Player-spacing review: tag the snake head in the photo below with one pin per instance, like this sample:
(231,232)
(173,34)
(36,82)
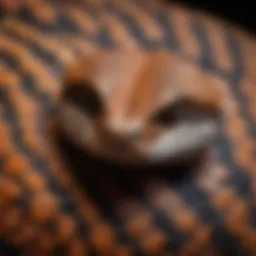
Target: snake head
(140,108)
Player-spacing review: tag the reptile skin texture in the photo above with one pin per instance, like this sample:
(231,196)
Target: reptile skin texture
(55,201)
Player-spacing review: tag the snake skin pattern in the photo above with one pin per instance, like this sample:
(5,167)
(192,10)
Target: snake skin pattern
(57,202)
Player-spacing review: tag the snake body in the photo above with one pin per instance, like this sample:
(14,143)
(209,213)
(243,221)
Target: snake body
(46,209)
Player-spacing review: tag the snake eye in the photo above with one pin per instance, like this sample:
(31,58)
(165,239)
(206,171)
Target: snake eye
(84,96)
(165,116)
(184,110)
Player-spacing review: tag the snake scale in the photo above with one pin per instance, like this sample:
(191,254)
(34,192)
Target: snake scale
(46,208)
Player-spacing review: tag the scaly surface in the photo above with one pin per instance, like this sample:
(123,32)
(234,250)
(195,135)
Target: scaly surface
(45,210)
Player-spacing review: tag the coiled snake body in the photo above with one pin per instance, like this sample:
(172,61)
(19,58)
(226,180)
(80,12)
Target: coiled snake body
(44,208)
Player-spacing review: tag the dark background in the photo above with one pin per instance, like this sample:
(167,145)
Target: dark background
(240,12)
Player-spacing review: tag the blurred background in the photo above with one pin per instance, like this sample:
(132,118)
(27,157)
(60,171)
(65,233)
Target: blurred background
(240,12)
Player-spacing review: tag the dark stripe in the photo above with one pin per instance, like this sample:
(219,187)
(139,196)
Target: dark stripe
(37,162)
(27,80)
(240,181)
(237,176)
(199,202)
(21,200)
(104,39)
(128,182)
(94,176)
(98,193)
(206,60)
(61,24)
(170,40)
(133,28)
(48,58)
(90,173)
(234,78)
